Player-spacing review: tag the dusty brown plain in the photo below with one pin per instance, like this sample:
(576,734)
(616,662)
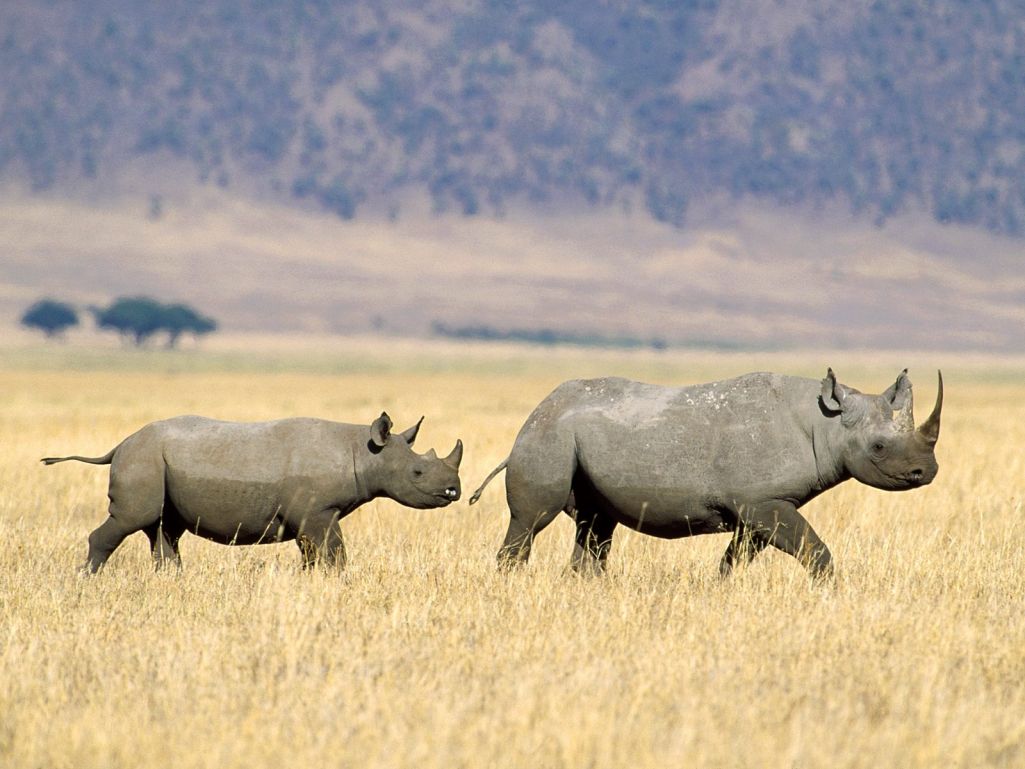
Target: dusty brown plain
(738,274)
(421,654)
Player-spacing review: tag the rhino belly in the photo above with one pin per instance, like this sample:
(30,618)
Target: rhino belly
(243,513)
(660,511)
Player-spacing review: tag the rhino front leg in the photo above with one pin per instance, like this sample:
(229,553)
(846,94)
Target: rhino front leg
(320,540)
(781,526)
(593,542)
(742,549)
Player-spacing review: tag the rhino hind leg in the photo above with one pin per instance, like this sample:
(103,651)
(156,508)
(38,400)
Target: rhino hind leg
(782,526)
(519,539)
(531,509)
(164,537)
(136,502)
(103,541)
(593,542)
(538,488)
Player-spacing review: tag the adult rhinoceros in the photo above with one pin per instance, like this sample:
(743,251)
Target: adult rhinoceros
(250,483)
(740,455)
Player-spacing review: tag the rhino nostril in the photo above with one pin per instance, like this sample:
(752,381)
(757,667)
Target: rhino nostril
(916,475)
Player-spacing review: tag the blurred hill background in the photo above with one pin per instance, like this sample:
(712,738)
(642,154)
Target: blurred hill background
(765,173)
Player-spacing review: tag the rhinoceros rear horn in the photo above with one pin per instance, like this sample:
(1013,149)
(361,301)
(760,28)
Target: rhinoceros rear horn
(930,429)
(905,418)
(454,458)
(899,391)
(901,399)
(410,435)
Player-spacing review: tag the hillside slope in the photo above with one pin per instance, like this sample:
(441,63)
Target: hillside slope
(752,278)
(881,108)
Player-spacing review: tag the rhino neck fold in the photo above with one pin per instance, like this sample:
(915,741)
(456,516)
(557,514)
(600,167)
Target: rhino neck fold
(362,477)
(827,447)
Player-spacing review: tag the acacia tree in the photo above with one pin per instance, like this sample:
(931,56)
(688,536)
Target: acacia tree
(51,317)
(134,317)
(140,317)
(178,319)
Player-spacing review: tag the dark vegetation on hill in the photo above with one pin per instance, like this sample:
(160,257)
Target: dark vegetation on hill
(884,107)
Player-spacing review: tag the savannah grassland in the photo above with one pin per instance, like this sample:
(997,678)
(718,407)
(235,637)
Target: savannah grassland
(422,654)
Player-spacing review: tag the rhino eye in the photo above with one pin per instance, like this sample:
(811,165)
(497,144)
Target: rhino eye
(878,448)
(418,473)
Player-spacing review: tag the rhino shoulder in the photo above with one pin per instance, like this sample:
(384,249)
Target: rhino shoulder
(758,385)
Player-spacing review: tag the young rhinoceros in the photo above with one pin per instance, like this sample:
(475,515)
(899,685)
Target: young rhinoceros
(250,483)
(741,456)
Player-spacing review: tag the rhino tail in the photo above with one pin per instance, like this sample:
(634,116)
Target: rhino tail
(496,471)
(104,460)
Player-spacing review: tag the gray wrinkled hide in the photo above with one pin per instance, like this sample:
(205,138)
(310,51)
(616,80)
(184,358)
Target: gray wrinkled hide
(740,455)
(251,483)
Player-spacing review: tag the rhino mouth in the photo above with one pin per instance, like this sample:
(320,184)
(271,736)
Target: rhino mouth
(918,478)
(440,498)
(912,479)
(451,494)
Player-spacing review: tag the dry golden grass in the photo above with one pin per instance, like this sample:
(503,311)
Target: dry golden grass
(420,654)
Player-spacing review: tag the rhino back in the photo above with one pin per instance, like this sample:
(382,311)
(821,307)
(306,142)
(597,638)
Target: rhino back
(233,479)
(257,451)
(736,440)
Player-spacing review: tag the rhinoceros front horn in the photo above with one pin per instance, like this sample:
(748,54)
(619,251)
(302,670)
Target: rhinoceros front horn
(930,429)
(453,459)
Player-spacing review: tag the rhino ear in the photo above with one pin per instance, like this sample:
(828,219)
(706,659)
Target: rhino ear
(380,430)
(899,392)
(833,393)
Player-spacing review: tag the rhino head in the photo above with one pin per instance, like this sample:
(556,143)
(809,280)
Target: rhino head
(415,480)
(881,446)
